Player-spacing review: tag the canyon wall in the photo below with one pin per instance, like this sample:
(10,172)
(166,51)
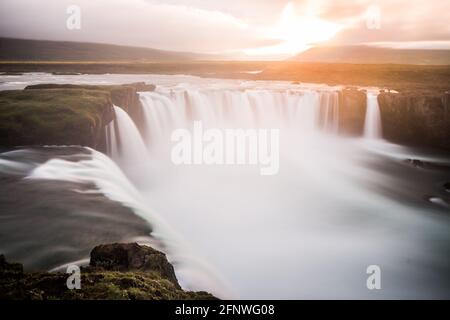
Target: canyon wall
(416,118)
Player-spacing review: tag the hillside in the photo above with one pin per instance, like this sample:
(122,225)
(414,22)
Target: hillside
(373,55)
(44,50)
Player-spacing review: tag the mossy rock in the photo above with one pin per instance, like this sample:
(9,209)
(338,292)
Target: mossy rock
(53,116)
(96,284)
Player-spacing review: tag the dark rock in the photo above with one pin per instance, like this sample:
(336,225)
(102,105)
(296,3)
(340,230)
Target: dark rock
(6,267)
(447,186)
(66,73)
(142,86)
(12,74)
(131,256)
(416,118)
(96,284)
(416,163)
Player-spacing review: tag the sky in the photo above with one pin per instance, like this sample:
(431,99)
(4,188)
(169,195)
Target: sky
(257,28)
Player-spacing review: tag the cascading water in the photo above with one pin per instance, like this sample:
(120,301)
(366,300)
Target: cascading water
(174,108)
(311,231)
(242,223)
(372,125)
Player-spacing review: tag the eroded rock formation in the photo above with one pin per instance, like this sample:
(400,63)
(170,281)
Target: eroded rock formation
(416,118)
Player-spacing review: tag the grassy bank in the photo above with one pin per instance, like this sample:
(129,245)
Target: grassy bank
(51,116)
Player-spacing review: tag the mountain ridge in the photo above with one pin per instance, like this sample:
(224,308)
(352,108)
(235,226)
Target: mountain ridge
(361,54)
(12,49)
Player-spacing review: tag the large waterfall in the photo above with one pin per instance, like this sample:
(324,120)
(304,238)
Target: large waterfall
(255,231)
(305,110)
(336,206)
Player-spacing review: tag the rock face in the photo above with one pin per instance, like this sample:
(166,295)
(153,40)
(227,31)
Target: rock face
(416,118)
(131,256)
(65,114)
(54,117)
(352,111)
(6,267)
(124,96)
(140,278)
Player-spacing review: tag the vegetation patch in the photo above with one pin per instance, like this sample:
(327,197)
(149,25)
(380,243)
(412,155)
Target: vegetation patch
(52,116)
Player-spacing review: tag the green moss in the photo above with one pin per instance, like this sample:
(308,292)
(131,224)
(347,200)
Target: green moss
(95,285)
(51,116)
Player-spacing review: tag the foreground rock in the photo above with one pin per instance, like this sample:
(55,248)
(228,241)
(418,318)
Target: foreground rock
(117,271)
(131,256)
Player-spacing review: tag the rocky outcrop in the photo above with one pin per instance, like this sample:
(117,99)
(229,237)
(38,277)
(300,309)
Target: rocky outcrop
(131,256)
(124,96)
(65,114)
(117,271)
(54,117)
(6,267)
(416,118)
(352,111)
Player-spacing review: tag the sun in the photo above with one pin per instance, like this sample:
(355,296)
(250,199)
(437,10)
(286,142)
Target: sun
(297,33)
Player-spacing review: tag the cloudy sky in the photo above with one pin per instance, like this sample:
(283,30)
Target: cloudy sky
(269,28)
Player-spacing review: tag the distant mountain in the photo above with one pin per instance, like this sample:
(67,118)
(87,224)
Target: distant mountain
(43,50)
(366,54)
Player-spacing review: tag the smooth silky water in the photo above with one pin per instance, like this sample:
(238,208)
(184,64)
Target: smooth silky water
(336,206)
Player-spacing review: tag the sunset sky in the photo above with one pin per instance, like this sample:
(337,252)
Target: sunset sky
(266,28)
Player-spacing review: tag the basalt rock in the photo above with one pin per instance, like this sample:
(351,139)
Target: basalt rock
(416,118)
(132,257)
(137,280)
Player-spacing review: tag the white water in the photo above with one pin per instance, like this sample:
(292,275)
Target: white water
(372,125)
(308,232)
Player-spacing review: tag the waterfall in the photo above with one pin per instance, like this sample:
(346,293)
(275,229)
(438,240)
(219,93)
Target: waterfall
(329,111)
(125,144)
(307,111)
(372,125)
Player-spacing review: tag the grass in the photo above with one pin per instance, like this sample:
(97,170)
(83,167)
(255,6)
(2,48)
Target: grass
(95,285)
(51,116)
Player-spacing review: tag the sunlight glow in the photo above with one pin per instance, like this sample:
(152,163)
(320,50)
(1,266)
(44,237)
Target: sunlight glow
(297,33)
